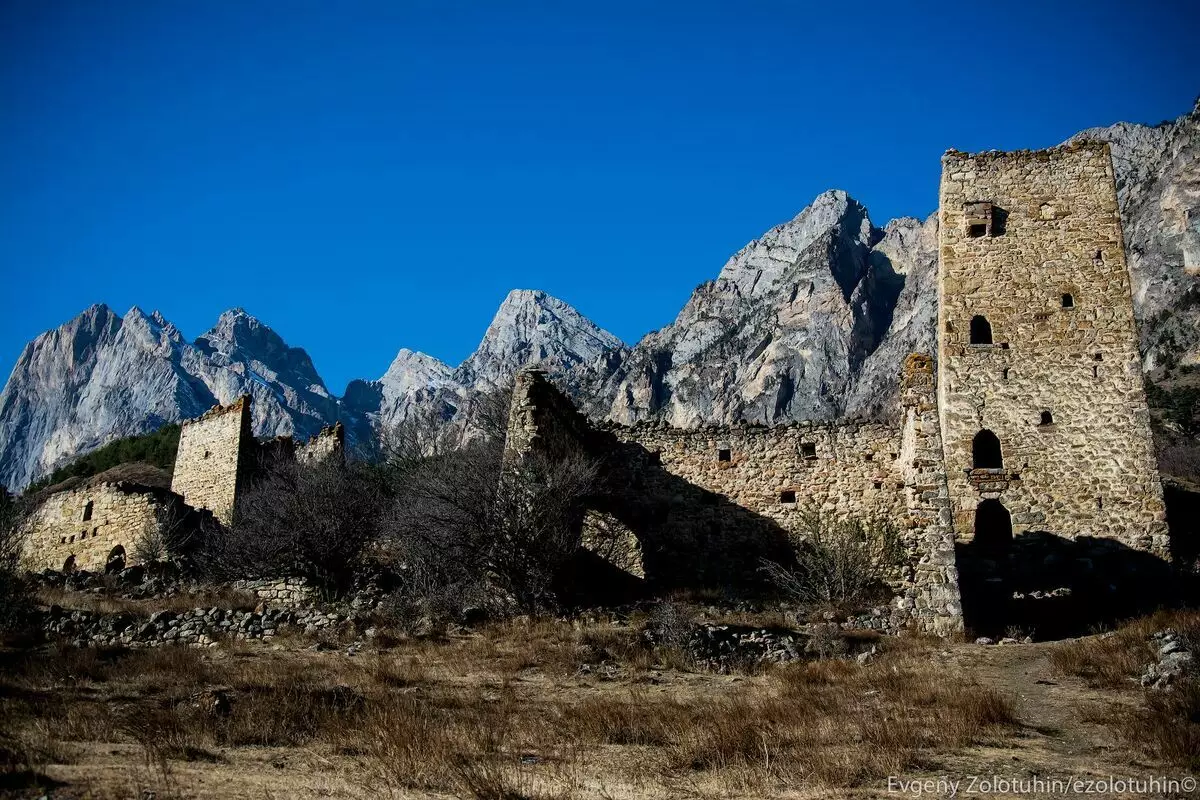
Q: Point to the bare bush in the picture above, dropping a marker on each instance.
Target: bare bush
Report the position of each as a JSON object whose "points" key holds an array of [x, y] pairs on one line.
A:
{"points": [[466, 518], [839, 563], [305, 520]]}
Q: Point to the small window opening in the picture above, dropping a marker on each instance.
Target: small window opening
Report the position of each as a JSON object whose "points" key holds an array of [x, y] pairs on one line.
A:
{"points": [[981, 330], [1068, 301], [808, 450], [87, 511], [69, 564], [72, 539], [985, 451], [1098, 258], [978, 218], [1095, 372], [869, 457], [62, 540], [788, 496], [1004, 373], [1047, 418], [724, 455], [1098, 357], [878, 484], [1099, 503], [949, 327], [207, 453]]}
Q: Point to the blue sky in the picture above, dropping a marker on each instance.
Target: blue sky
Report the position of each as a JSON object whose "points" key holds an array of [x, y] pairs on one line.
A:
{"points": [[369, 176]]}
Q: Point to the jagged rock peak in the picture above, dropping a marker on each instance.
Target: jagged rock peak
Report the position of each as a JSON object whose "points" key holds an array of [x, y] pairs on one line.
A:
{"points": [[411, 370], [531, 327]]}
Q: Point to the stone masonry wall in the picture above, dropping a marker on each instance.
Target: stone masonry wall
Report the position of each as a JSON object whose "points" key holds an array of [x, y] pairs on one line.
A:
{"points": [[117, 515], [215, 452], [1050, 277], [330, 442], [710, 502]]}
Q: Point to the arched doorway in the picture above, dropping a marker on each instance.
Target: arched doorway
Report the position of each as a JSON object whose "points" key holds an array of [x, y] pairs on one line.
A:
{"points": [[993, 526], [116, 560], [984, 570], [69, 564]]}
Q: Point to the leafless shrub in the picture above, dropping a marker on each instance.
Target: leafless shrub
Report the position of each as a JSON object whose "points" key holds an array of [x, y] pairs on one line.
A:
{"points": [[837, 563], [465, 517], [307, 520]]}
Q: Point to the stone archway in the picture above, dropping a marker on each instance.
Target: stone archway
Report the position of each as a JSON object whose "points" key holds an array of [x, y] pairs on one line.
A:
{"points": [[69, 564], [116, 560]]}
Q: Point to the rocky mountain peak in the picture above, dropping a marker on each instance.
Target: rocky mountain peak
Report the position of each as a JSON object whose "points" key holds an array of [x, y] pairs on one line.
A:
{"points": [[531, 327], [411, 370]]}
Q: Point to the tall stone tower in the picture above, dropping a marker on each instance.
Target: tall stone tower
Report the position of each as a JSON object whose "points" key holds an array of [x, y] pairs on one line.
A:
{"points": [[215, 453], [1044, 419]]}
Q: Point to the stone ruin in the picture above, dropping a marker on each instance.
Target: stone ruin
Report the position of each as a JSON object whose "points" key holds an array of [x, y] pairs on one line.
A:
{"points": [[1021, 475], [96, 523]]}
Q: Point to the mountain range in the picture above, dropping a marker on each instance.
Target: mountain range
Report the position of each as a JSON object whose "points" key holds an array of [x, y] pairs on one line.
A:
{"points": [[810, 321]]}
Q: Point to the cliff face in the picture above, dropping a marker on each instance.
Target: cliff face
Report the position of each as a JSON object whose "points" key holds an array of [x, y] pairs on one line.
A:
{"points": [[810, 321], [99, 377]]}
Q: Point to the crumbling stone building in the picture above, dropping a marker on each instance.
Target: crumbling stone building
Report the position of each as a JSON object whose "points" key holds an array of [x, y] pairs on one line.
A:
{"points": [[97, 523], [1036, 429]]}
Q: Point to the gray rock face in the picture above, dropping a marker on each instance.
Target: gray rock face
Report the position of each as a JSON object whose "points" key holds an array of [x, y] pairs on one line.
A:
{"points": [[100, 377], [530, 328], [789, 329]]}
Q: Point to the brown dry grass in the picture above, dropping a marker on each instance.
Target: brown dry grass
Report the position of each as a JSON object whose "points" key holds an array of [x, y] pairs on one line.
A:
{"points": [[1167, 726], [521, 709]]}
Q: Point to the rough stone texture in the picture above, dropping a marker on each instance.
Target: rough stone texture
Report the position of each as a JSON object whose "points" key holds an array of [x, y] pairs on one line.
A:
{"points": [[329, 442], [214, 458], [87, 524], [1093, 470], [707, 503], [1158, 187]]}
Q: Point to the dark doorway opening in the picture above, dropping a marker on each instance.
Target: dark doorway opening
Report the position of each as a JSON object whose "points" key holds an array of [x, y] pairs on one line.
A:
{"points": [[984, 570], [116, 560]]}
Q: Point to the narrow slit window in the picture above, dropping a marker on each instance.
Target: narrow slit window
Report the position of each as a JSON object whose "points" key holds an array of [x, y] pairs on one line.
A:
{"points": [[1004, 373], [1047, 418], [787, 496], [87, 511]]}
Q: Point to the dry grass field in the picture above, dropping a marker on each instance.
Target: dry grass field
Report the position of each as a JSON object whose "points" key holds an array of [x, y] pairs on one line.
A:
{"points": [[573, 710]]}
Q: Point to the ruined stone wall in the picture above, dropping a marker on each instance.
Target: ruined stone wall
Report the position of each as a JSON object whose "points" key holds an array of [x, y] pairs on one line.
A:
{"points": [[89, 522], [215, 453], [1045, 266], [707, 504], [329, 443], [840, 470], [929, 594]]}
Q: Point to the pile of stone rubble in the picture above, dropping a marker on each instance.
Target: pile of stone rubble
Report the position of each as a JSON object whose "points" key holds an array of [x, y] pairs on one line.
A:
{"points": [[199, 627], [1175, 660]]}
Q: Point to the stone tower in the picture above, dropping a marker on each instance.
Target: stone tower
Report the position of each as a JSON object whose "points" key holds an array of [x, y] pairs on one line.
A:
{"points": [[1044, 419], [215, 454]]}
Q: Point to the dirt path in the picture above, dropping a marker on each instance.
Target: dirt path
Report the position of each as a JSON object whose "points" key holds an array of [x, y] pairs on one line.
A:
{"points": [[1062, 736]]}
